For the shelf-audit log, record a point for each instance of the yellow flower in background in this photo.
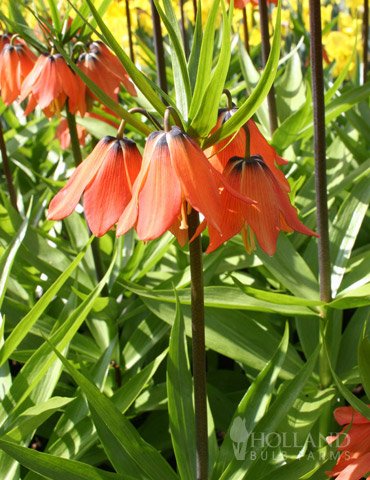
(339, 48)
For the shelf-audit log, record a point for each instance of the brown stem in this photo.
(264, 25)
(7, 170)
(159, 50)
(320, 148)
(195, 10)
(183, 31)
(366, 40)
(245, 28)
(199, 348)
(128, 19)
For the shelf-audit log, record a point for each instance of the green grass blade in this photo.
(23, 327)
(120, 434)
(57, 468)
(8, 257)
(180, 399)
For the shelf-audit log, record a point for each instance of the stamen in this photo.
(184, 217)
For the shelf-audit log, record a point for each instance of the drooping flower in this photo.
(105, 70)
(354, 461)
(251, 177)
(175, 176)
(49, 84)
(16, 62)
(220, 153)
(4, 39)
(106, 178)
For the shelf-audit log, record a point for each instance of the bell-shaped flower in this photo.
(106, 178)
(252, 178)
(16, 62)
(49, 84)
(175, 177)
(235, 146)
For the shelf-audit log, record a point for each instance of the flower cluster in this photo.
(47, 81)
(235, 185)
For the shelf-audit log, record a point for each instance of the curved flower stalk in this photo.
(173, 167)
(49, 84)
(354, 461)
(106, 178)
(16, 62)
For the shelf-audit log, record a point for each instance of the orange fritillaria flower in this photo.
(175, 176)
(220, 153)
(251, 177)
(49, 84)
(105, 70)
(106, 178)
(16, 62)
(354, 461)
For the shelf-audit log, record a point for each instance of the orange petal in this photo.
(347, 415)
(48, 86)
(66, 200)
(109, 191)
(68, 82)
(129, 216)
(193, 170)
(33, 76)
(160, 196)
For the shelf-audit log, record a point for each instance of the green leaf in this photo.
(203, 72)
(205, 117)
(23, 327)
(37, 367)
(222, 297)
(250, 106)
(196, 47)
(364, 363)
(355, 402)
(251, 409)
(55, 16)
(179, 67)
(134, 452)
(352, 298)
(180, 399)
(291, 270)
(8, 257)
(35, 416)
(345, 229)
(56, 468)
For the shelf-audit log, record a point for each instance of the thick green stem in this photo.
(7, 170)
(245, 28)
(199, 348)
(365, 41)
(128, 19)
(77, 156)
(158, 47)
(264, 25)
